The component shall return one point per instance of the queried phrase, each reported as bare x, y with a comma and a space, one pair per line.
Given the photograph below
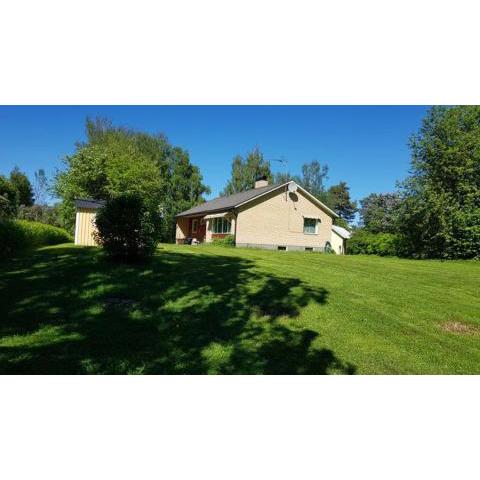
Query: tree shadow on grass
68, 310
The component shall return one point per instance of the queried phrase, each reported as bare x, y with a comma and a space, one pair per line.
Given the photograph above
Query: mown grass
67, 309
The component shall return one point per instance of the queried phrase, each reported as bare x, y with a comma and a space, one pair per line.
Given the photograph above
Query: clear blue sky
364, 146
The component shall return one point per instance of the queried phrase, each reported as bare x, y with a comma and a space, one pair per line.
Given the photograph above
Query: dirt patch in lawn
453, 326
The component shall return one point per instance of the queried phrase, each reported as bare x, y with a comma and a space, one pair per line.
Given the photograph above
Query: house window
310, 225
221, 225
194, 225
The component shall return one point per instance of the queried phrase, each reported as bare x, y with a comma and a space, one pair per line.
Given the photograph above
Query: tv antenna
281, 160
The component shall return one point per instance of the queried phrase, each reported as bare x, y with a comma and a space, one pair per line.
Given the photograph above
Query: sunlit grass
67, 309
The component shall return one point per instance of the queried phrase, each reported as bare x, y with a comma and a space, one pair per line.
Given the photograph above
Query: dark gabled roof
221, 204
89, 203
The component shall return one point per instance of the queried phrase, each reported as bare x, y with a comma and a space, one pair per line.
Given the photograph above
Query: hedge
19, 235
384, 244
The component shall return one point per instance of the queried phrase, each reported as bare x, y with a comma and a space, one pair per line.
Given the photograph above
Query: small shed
339, 239
86, 210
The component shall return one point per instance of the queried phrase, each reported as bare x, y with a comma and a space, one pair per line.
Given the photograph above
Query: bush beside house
227, 241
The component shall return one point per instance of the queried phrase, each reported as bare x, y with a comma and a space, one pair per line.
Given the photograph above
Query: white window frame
316, 225
195, 225
224, 223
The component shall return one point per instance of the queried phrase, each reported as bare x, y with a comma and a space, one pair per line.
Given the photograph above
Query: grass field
66, 309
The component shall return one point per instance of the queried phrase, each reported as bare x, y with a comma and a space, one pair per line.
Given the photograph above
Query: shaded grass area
198, 310
68, 310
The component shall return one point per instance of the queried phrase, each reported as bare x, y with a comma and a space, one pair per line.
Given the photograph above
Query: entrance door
198, 229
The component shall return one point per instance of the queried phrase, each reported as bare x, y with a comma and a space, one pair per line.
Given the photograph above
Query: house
278, 217
86, 209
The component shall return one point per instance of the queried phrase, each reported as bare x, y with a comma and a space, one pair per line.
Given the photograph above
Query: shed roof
343, 232
89, 203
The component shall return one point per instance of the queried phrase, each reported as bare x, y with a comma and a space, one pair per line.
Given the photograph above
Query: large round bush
126, 228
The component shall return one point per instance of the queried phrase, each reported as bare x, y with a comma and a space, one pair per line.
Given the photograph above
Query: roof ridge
249, 190
230, 201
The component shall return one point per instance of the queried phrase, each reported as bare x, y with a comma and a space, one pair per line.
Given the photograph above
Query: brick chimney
261, 181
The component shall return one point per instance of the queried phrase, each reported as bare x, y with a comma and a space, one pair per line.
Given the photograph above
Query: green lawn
66, 309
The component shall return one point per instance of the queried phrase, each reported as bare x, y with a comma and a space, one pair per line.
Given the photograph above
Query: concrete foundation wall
289, 248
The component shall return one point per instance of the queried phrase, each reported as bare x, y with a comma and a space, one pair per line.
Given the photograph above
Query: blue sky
366, 146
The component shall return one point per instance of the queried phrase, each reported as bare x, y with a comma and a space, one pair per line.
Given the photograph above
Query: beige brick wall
277, 219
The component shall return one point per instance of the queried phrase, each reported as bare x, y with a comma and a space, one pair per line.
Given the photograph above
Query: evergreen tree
21, 182
338, 199
8, 198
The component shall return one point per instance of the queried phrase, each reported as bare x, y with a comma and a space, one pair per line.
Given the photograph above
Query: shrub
8, 198
126, 228
41, 213
18, 235
227, 241
384, 244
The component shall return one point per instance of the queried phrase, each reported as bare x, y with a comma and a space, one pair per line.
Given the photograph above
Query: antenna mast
281, 160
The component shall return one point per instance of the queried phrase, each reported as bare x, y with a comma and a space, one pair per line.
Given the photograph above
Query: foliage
40, 187
21, 182
440, 211
339, 221
8, 198
19, 235
183, 190
280, 177
379, 212
246, 170
115, 160
127, 229
383, 244
338, 199
227, 241
313, 178
41, 213
198, 310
